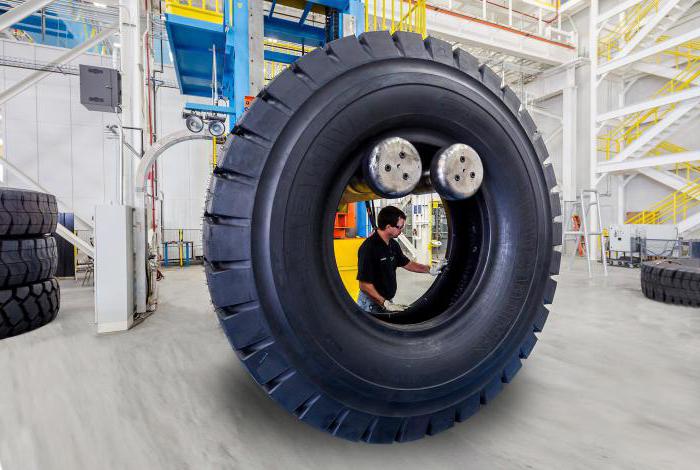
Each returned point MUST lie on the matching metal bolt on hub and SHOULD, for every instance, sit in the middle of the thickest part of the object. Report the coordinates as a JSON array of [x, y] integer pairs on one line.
[[393, 167], [456, 172]]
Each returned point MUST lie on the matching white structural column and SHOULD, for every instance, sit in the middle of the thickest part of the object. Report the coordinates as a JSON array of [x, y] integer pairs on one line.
[[256, 41], [133, 80], [21, 11], [568, 155], [115, 225], [593, 124]]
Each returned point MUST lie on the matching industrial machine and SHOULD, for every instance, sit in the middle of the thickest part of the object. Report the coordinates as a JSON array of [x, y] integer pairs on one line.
[[630, 244]]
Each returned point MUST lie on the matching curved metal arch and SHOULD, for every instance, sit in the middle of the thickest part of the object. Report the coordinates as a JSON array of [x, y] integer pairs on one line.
[[152, 154], [140, 229]]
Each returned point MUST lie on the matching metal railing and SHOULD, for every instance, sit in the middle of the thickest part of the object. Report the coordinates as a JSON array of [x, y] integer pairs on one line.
[[181, 246], [396, 15], [204, 10], [633, 20], [671, 209]]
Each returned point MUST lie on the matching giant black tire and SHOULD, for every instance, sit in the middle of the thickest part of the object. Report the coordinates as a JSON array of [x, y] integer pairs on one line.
[[269, 253], [24, 261], [26, 308], [674, 281], [26, 213]]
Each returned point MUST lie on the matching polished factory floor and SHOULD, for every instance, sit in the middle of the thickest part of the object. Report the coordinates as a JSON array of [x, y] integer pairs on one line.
[[614, 382]]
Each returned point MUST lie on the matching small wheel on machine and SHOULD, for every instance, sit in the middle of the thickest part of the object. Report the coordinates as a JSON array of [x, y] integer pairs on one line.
[[269, 255]]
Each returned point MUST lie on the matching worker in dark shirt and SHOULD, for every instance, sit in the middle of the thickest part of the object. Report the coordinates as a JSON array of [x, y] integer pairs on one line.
[[378, 258]]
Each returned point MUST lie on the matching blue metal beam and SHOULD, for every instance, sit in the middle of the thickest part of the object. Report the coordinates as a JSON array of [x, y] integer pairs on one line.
[[272, 8], [291, 31], [340, 5], [241, 55], [305, 13], [210, 108], [280, 57]]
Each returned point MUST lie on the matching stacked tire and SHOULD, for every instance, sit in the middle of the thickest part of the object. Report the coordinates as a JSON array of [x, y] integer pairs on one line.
[[674, 281], [29, 292]]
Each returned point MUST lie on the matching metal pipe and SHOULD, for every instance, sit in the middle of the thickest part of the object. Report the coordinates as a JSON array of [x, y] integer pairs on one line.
[[21, 11], [39, 75]]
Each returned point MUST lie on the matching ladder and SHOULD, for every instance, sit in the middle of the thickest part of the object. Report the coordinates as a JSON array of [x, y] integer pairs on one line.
[[581, 209]]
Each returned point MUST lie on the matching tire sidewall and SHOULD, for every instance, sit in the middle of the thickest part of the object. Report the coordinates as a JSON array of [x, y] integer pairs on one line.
[[429, 371]]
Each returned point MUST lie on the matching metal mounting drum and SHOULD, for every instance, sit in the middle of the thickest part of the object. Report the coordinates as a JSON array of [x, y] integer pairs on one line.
[[393, 167], [456, 172]]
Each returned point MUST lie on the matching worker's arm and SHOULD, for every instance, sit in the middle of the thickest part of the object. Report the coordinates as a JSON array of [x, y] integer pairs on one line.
[[369, 289], [424, 268], [416, 267]]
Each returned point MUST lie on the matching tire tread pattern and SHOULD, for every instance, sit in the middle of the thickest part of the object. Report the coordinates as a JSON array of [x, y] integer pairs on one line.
[[27, 213], [28, 307], [24, 261], [674, 281], [236, 177]]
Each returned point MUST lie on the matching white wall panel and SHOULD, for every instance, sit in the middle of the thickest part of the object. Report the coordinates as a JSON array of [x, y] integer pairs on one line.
[[21, 146], [87, 158], [55, 161]]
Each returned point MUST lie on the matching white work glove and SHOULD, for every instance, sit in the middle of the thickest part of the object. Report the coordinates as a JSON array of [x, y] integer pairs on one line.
[[390, 306], [437, 269]]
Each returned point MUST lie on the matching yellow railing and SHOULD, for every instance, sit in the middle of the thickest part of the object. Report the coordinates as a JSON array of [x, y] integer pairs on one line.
[[671, 209], [634, 125], [395, 15], [674, 207], [272, 69], [204, 10], [625, 30]]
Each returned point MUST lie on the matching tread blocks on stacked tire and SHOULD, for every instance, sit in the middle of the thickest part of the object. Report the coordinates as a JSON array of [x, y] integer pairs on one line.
[[675, 281], [25, 261], [27, 213], [29, 293], [28, 307], [229, 265]]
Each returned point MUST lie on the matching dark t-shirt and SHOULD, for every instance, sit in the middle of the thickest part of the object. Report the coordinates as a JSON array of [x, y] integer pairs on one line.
[[377, 263]]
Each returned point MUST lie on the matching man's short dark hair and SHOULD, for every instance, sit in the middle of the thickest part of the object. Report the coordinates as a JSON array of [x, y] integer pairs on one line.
[[389, 215]]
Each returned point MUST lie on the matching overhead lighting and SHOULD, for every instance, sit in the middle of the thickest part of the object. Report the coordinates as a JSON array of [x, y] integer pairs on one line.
[[99, 5]]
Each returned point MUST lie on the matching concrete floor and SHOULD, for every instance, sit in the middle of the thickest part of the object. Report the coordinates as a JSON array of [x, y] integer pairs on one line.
[[613, 383]]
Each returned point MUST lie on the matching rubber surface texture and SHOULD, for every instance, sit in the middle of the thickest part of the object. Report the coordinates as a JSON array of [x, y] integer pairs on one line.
[[28, 307], [27, 213], [268, 255], [674, 281], [24, 261]]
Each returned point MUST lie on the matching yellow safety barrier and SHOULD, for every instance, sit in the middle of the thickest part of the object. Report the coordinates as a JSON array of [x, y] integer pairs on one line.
[[204, 10], [396, 15], [624, 31], [346, 260]]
